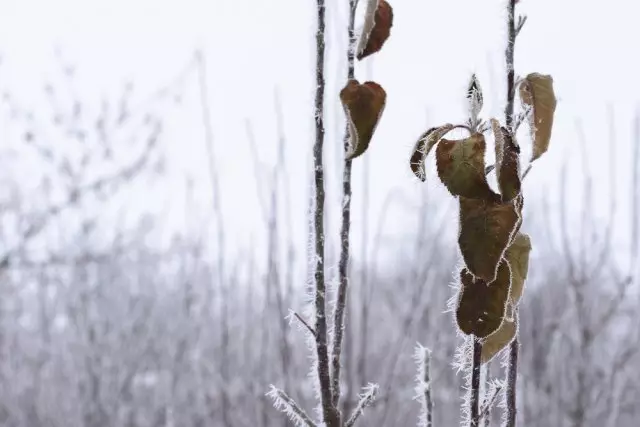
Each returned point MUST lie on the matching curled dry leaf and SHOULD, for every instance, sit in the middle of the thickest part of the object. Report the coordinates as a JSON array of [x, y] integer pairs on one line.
[[377, 28], [363, 105], [494, 343], [422, 148], [481, 305], [486, 228], [461, 167], [517, 254], [536, 92], [507, 162]]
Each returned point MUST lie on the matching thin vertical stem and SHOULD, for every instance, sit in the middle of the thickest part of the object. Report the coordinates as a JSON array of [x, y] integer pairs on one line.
[[474, 403], [217, 210], [427, 392], [329, 413], [343, 266], [512, 377], [509, 53], [512, 370]]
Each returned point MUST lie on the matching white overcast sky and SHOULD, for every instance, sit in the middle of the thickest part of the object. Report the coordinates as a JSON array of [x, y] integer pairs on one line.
[[255, 47]]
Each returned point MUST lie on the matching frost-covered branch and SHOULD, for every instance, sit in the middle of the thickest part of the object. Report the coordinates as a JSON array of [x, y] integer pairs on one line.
[[330, 414], [343, 266], [422, 357], [284, 403], [512, 32], [366, 399]]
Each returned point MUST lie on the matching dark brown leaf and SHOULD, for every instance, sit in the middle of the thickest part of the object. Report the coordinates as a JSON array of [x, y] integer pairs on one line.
[[363, 105], [486, 228], [481, 305]]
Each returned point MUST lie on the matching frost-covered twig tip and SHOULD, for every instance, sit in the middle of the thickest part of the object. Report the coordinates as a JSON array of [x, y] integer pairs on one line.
[[422, 356], [366, 399], [284, 403]]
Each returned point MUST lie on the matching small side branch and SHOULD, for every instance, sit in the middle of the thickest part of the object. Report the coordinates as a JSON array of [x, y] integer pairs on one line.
[[485, 412], [303, 322], [366, 399], [284, 403]]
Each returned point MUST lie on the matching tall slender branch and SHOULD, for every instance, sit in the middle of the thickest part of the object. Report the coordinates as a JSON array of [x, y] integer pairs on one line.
[[512, 31], [329, 413], [343, 266], [217, 211], [509, 54]]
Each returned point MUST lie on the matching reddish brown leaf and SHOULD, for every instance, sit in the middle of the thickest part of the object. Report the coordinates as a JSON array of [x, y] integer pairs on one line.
[[377, 28], [461, 167], [486, 228], [363, 105], [481, 305]]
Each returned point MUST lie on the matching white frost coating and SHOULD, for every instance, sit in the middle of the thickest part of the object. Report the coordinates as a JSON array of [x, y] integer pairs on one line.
[[284, 403], [369, 22], [422, 357], [367, 397]]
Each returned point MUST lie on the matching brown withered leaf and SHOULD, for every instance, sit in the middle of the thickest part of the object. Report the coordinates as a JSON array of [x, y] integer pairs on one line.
[[461, 167], [377, 28], [498, 135], [363, 105], [494, 343], [486, 228], [517, 254], [507, 162], [536, 91], [422, 148], [481, 305]]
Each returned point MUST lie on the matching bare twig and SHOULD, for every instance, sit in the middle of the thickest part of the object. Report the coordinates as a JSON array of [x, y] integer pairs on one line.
[[203, 88], [303, 322], [366, 399], [485, 412], [512, 32], [287, 405], [343, 266], [329, 413]]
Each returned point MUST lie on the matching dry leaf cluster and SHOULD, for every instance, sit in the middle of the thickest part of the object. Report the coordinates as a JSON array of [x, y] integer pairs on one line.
[[495, 252]]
